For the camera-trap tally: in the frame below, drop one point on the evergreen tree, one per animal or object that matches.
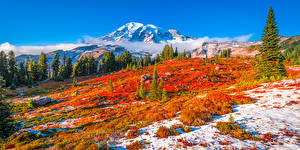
(165, 55)
(171, 52)
(140, 63)
(35, 71)
(6, 125)
(190, 55)
(22, 74)
(74, 83)
(142, 91)
(176, 52)
(27, 73)
(69, 67)
(157, 59)
(55, 65)
(165, 96)
(64, 59)
(160, 89)
(212, 75)
(30, 69)
(225, 53)
(147, 60)
(76, 70)
(154, 89)
(43, 66)
(12, 69)
(270, 62)
(109, 62)
(3, 65)
(61, 74)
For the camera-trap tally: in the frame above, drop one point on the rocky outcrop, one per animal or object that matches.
(41, 100)
(210, 49)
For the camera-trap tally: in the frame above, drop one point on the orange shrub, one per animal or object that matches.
(197, 111)
(164, 132)
(133, 132)
(135, 145)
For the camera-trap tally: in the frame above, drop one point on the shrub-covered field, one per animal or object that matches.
(95, 115)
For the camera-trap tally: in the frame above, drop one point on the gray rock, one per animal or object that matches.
(144, 77)
(41, 100)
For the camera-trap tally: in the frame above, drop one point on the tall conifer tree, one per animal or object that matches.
(55, 65)
(43, 66)
(270, 62)
(154, 89)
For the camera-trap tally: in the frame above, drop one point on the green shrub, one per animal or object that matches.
(229, 128)
(30, 104)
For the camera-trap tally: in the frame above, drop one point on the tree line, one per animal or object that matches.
(31, 71)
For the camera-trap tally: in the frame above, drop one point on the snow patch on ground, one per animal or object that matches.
(277, 108)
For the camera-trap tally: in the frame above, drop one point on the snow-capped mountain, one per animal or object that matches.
(137, 32)
(141, 39)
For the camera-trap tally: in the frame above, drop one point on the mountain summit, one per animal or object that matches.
(137, 32)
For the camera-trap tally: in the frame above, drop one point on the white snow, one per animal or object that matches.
(277, 108)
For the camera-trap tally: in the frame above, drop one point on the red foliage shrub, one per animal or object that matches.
(135, 145)
(185, 142)
(133, 132)
(268, 137)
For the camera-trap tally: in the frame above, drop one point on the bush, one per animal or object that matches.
(182, 127)
(133, 133)
(30, 104)
(22, 139)
(86, 144)
(13, 87)
(196, 117)
(197, 111)
(229, 128)
(164, 132)
(74, 83)
(135, 145)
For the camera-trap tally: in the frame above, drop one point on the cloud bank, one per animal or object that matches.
(36, 50)
(154, 48)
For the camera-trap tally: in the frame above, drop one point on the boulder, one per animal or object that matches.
(41, 100)
(217, 68)
(168, 74)
(144, 77)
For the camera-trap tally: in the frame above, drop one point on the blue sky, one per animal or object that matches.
(42, 22)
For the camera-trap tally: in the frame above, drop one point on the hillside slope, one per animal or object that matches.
(273, 118)
(90, 116)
